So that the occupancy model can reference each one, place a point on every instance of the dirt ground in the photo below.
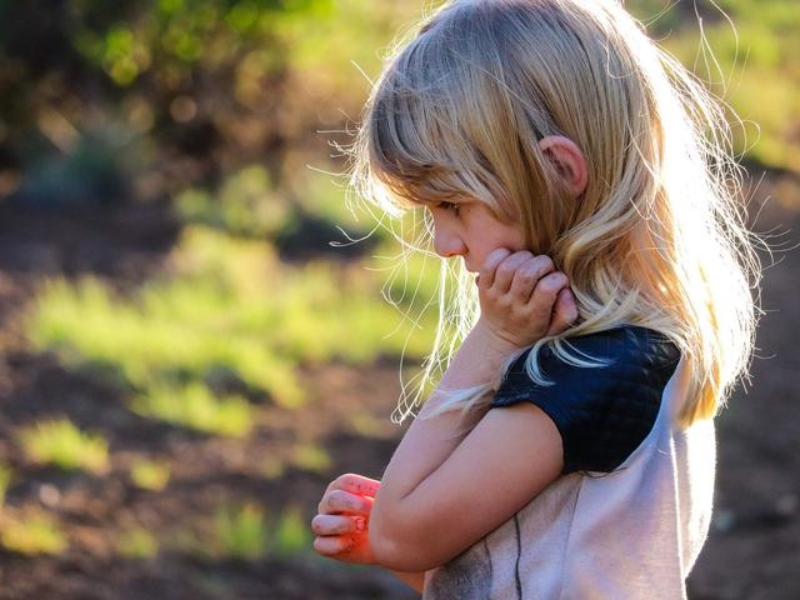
(753, 551)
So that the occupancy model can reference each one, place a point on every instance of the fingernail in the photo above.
(361, 524)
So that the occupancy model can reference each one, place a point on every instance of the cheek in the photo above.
(514, 239)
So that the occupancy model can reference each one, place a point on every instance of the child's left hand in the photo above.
(523, 298)
(341, 527)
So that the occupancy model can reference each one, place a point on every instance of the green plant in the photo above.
(150, 475)
(5, 480)
(241, 533)
(311, 457)
(196, 407)
(35, 534)
(138, 543)
(292, 535)
(246, 204)
(62, 444)
(747, 52)
(232, 307)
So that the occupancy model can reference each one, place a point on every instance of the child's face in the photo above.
(469, 229)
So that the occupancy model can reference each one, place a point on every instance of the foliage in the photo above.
(150, 89)
(137, 542)
(196, 407)
(37, 533)
(62, 444)
(245, 533)
(291, 536)
(311, 457)
(5, 480)
(241, 533)
(747, 51)
(231, 315)
(245, 205)
(150, 475)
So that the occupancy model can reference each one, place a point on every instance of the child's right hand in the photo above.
(523, 298)
(341, 527)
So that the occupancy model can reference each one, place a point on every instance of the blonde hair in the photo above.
(656, 240)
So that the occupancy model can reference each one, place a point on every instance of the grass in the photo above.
(229, 307)
(246, 204)
(755, 67)
(311, 457)
(137, 543)
(244, 532)
(196, 407)
(5, 481)
(241, 533)
(62, 444)
(35, 534)
(291, 534)
(150, 475)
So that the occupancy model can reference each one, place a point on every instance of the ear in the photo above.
(568, 160)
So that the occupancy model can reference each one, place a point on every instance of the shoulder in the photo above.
(605, 411)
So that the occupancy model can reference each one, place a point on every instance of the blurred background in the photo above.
(192, 344)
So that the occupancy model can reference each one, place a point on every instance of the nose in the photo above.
(447, 242)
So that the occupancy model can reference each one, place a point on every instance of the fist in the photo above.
(341, 527)
(523, 297)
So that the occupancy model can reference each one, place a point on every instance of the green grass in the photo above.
(5, 481)
(245, 532)
(311, 457)
(35, 534)
(246, 204)
(62, 444)
(137, 543)
(241, 533)
(196, 407)
(227, 307)
(755, 67)
(291, 535)
(150, 475)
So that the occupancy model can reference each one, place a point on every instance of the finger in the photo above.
(338, 501)
(486, 274)
(507, 269)
(333, 545)
(327, 525)
(355, 484)
(565, 312)
(528, 275)
(543, 299)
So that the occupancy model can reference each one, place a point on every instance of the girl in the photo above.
(568, 450)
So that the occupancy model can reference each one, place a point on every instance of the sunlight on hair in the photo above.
(658, 237)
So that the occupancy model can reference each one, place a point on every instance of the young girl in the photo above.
(581, 175)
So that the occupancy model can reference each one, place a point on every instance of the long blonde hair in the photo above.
(657, 239)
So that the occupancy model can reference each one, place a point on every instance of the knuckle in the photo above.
(341, 481)
(316, 525)
(554, 282)
(527, 275)
(334, 500)
(506, 268)
(543, 264)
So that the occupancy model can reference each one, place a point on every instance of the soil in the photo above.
(753, 551)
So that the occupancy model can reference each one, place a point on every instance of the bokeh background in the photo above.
(197, 334)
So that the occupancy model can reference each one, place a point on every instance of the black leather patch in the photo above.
(602, 413)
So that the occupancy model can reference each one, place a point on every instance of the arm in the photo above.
(433, 502)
